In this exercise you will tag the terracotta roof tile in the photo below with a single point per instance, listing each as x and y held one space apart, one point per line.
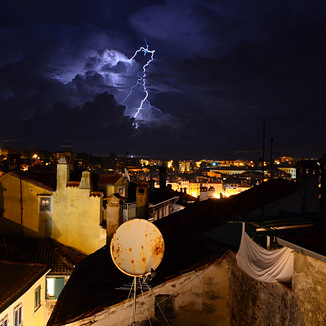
16 279
60 258
108 179
46 179
73 183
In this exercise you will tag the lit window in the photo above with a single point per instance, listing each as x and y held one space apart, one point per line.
50 286
121 191
18 315
54 286
37 298
45 205
4 321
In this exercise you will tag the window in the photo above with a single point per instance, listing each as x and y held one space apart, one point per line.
37 298
18 315
54 286
4 321
164 306
45 204
121 191
50 287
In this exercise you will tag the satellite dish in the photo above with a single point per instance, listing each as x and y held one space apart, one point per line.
137 247
127 174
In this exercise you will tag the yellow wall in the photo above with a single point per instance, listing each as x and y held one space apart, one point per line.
194 189
10 203
114 189
76 219
30 317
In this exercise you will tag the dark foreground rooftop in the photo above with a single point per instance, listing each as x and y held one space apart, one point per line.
58 257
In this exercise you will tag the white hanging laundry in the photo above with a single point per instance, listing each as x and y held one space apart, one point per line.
264 265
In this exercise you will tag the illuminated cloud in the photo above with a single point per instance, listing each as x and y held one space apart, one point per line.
214 61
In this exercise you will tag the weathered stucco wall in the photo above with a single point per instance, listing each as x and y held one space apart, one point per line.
256 303
309 287
10 205
198 299
76 219
253 303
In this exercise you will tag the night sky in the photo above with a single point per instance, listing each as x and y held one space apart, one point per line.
219 69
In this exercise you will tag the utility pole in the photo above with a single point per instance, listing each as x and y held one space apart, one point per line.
263 172
20 170
271 158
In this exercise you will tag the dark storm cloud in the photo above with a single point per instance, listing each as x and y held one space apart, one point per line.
214 62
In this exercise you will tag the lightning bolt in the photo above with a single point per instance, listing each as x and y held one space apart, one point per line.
141 82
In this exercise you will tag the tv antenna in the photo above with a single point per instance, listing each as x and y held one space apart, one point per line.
137 249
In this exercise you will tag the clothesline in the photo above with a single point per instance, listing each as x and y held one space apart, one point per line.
262 264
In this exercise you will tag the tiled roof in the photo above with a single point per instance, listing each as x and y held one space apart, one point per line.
96 193
186 249
16 279
108 179
45 179
73 183
60 258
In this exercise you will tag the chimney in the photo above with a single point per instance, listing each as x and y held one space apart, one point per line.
163 173
85 182
113 215
142 198
307 177
63 173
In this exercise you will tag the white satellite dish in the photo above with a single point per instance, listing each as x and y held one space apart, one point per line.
137 247
127 174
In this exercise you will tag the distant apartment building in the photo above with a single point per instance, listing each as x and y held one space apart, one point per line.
184 166
194 189
288 169
180 185
214 189
233 188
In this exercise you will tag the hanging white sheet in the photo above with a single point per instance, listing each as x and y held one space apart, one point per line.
264 265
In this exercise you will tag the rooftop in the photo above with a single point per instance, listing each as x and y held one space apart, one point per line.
16 279
310 238
58 257
45 179
186 248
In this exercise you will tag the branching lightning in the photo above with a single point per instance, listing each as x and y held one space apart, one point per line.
141 82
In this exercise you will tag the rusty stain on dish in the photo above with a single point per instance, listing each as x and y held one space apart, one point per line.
137 247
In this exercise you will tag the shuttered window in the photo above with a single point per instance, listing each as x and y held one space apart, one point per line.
18 315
